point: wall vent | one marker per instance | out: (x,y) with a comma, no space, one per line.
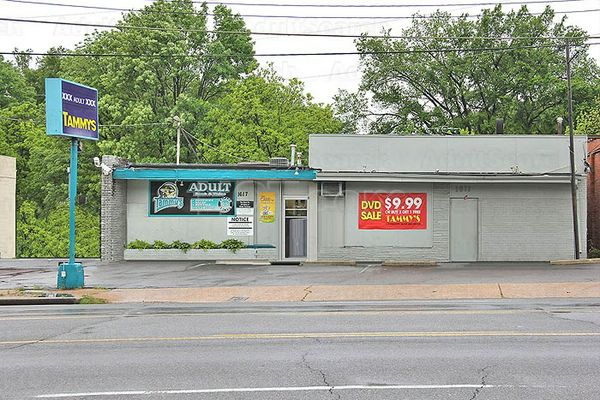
(279,162)
(332,189)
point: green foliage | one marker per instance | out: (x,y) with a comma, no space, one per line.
(159,244)
(13,86)
(232,244)
(594,253)
(149,90)
(588,122)
(204,245)
(424,91)
(139,245)
(183,246)
(87,299)
(48,236)
(260,117)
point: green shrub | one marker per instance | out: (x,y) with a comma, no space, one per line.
(204,244)
(232,244)
(139,245)
(159,244)
(183,246)
(594,253)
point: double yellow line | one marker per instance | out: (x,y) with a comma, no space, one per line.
(305,335)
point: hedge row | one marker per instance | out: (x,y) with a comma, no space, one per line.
(229,244)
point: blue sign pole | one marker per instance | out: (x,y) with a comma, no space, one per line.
(71,111)
(72,198)
(70,275)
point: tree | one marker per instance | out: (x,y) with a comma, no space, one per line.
(178,58)
(13,86)
(588,122)
(261,117)
(415,88)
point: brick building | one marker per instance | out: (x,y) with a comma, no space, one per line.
(593,192)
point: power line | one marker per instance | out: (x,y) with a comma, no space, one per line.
(309,5)
(211,146)
(286,34)
(335,53)
(149,10)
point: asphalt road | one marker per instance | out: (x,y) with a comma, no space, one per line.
(404,350)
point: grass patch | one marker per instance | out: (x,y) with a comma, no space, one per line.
(87,299)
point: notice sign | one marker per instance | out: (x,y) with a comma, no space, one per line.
(71,109)
(392,211)
(240,226)
(245,207)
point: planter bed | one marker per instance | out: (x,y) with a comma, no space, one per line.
(201,255)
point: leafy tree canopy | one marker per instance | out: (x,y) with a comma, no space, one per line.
(415,89)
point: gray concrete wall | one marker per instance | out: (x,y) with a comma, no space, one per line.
(169,228)
(517,222)
(529,222)
(340,238)
(491,153)
(8,187)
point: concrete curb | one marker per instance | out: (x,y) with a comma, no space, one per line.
(345,263)
(584,261)
(253,262)
(393,263)
(37,301)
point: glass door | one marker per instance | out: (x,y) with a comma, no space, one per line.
(295,228)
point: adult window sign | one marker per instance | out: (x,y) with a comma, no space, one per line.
(202,198)
(392,211)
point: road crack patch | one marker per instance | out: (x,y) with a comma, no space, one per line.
(307,291)
(322,374)
(484,375)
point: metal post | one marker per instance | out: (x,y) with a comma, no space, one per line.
(72,198)
(572,152)
(70,274)
(178,126)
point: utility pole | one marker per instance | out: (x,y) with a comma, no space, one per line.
(572,152)
(177,123)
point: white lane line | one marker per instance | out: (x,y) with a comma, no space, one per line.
(267,389)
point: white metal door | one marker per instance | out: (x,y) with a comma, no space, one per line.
(464,229)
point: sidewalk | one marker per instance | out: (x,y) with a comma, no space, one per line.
(190,282)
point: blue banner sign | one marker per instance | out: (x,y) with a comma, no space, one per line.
(71,109)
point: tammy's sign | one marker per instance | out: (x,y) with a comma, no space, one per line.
(192,198)
(392,211)
(71,109)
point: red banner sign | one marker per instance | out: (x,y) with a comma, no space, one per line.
(392,211)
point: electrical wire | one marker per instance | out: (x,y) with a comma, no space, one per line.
(318,35)
(148,10)
(309,5)
(333,53)
(211,146)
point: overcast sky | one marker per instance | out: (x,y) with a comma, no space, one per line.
(323,75)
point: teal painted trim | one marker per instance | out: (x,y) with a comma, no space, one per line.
(53,87)
(213,174)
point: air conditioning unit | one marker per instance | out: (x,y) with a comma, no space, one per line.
(332,189)
(279,162)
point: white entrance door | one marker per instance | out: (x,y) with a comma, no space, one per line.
(464,232)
